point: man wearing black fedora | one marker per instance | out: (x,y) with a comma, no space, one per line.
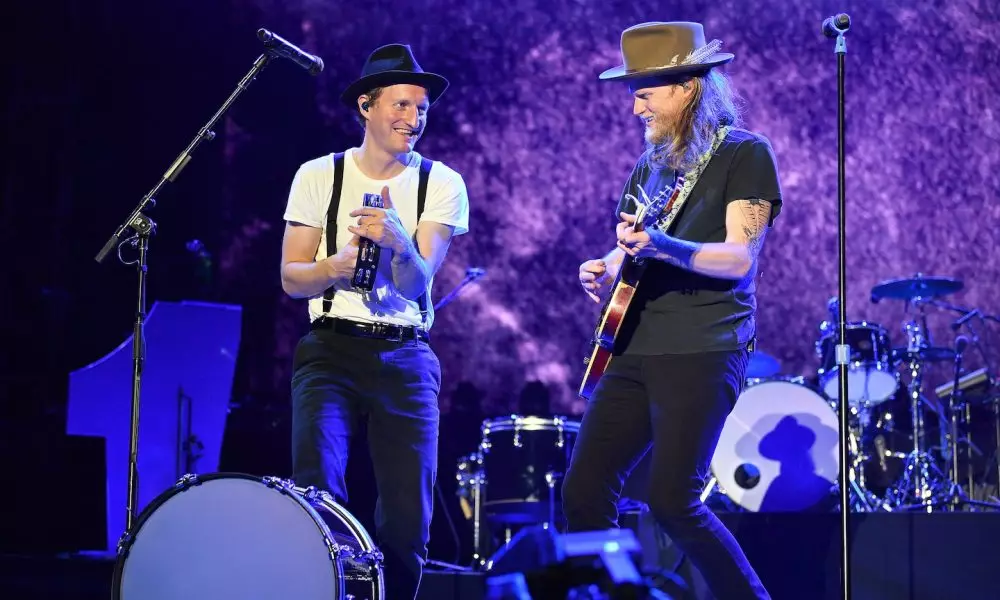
(366,356)
(679,362)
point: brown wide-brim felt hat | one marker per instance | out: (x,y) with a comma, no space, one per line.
(393,64)
(656,49)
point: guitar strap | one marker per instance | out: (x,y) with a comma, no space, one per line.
(671,211)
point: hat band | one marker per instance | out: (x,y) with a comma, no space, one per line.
(696,56)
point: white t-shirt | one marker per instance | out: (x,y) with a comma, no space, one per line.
(447,202)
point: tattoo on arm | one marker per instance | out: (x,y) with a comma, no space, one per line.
(756,215)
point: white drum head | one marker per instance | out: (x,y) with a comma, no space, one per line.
(866,385)
(778,451)
(229,537)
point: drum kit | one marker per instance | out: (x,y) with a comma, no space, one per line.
(779,448)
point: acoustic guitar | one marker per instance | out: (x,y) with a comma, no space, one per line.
(623,291)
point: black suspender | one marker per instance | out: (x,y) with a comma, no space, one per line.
(331,221)
(331,217)
(425,174)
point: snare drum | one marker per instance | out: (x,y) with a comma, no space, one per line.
(523,462)
(870,378)
(228,535)
(778,451)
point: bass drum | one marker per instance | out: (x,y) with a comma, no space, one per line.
(229,535)
(778,451)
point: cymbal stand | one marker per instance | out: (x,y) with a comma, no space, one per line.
(916,488)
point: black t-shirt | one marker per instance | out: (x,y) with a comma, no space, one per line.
(676,311)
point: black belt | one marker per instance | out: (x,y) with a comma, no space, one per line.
(381,331)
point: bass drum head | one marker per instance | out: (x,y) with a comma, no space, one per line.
(228,535)
(778,451)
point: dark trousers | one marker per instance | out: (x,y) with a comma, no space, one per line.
(676,405)
(339,380)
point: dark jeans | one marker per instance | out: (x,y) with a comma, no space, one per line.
(339,380)
(676,404)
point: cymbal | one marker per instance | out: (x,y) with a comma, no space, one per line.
(918,286)
(925,354)
(762,364)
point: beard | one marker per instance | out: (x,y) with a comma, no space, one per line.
(659,131)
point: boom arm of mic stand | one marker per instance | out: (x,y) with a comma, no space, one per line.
(454,293)
(205,133)
(144,228)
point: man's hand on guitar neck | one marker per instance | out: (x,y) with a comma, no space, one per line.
(597,275)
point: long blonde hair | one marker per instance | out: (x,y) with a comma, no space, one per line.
(713,104)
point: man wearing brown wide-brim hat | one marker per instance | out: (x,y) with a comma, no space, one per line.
(366,356)
(691,223)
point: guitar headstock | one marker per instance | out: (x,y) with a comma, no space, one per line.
(648,211)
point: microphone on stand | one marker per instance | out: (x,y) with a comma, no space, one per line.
(836,25)
(278,46)
(953,406)
(960,343)
(475,272)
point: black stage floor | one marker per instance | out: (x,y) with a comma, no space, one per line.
(940,556)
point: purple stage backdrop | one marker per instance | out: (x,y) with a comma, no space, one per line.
(545,149)
(543,145)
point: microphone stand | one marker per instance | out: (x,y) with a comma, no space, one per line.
(842,349)
(953,405)
(144,228)
(471,275)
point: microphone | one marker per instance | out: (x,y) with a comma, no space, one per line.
(475,272)
(960,343)
(280,47)
(836,25)
(964,319)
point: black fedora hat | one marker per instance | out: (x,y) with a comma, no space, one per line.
(393,64)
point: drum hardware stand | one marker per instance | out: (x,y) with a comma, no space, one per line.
(996,433)
(550,481)
(864,499)
(478,479)
(145,228)
(918,484)
(957,496)
(966,321)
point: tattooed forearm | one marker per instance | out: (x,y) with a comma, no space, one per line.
(756,215)
(746,224)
